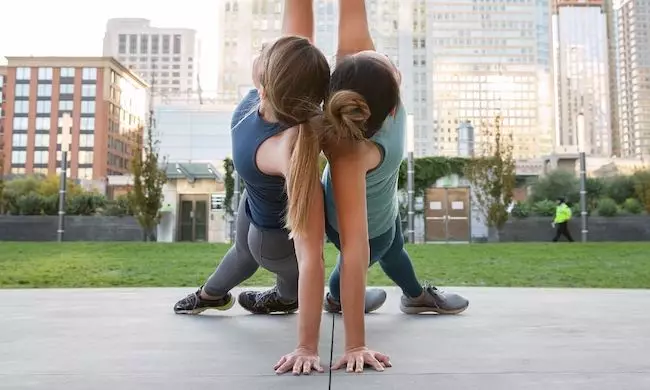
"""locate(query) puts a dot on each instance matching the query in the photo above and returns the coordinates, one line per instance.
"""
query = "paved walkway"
(509, 339)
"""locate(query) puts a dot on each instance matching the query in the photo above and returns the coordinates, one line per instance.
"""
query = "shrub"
(30, 204)
(117, 208)
(554, 185)
(544, 208)
(633, 206)
(619, 188)
(521, 210)
(607, 207)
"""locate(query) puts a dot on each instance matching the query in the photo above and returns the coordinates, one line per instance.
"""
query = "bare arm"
(311, 268)
(348, 172)
(354, 33)
(298, 18)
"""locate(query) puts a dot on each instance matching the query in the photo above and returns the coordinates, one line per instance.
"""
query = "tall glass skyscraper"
(582, 77)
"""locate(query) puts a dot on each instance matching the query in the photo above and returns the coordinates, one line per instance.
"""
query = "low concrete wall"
(627, 228)
(77, 228)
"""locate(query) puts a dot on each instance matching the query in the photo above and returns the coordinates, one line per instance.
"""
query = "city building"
(164, 57)
(107, 104)
(3, 79)
(581, 62)
(192, 130)
(632, 64)
(244, 27)
(485, 60)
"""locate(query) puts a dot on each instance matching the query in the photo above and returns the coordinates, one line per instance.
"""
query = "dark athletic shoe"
(194, 304)
(375, 298)
(434, 300)
(266, 302)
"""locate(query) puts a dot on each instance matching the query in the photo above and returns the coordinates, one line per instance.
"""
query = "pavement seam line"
(329, 385)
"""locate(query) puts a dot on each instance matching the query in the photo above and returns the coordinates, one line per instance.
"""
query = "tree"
(492, 174)
(642, 187)
(2, 170)
(148, 179)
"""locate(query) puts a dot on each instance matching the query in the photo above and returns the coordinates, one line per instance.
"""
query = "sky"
(76, 27)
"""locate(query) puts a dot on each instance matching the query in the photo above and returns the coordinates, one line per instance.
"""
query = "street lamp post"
(410, 146)
(66, 125)
(583, 176)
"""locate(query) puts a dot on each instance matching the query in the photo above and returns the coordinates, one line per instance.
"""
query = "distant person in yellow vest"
(561, 222)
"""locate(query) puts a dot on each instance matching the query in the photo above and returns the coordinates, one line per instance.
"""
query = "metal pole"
(410, 192)
(62, 190)
(583, 195)
(235, 206)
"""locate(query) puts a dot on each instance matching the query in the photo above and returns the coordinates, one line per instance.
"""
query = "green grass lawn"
(615, 265)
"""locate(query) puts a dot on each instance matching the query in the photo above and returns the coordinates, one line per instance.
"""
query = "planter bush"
(607, 207)
(633, 206)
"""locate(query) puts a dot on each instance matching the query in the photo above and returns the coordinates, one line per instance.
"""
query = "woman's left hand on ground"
(300, 361)
(355, 359)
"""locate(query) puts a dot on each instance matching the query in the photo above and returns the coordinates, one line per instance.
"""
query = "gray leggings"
(254, 247)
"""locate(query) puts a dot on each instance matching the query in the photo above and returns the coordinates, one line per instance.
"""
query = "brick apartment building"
(107, 103)
(3, 72)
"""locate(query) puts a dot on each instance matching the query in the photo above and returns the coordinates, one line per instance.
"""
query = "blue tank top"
(381, 182)
(267, 198)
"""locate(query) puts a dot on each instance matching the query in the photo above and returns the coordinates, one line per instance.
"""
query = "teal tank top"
(381, 182)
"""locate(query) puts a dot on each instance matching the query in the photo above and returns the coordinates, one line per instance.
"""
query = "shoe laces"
(192, 300)
(266, 297)
(430, 288)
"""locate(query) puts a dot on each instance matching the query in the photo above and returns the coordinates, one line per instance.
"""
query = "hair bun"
(348, 112)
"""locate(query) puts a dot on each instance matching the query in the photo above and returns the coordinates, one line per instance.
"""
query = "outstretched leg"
(236, 266)
(416, 299)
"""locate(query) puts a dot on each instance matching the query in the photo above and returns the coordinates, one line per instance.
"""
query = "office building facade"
(632, 62)
(581, 61)
(106, 102)
(164, 57)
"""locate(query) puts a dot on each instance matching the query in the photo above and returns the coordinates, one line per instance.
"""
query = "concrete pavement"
(508, 339)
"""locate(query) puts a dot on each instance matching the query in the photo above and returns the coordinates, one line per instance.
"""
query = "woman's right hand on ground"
(355, 359)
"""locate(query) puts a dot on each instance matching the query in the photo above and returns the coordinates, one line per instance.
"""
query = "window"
(21, 106)
(65, 105)
(45, 73)
(89, 74)
(87, 107)
(22, 90)
(87, 124)
(89, 90)
(43, 124)
(133, 44)
(43, 107)
(155, 42)
(23, 73)
(18, 157)
(20, 123)
(19, 140)
(85, 157)
(41, 157)
(86, 140)
(66, 89)
(121, 44)
(85, 173)
(44, 90)
(42, 141)
(177, 44)
(144, 44)
(67, 72)
(165, 44)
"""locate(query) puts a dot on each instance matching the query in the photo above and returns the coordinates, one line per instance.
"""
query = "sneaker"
(266, 302)
(194, 304)
(434, 300)
(375, 298)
